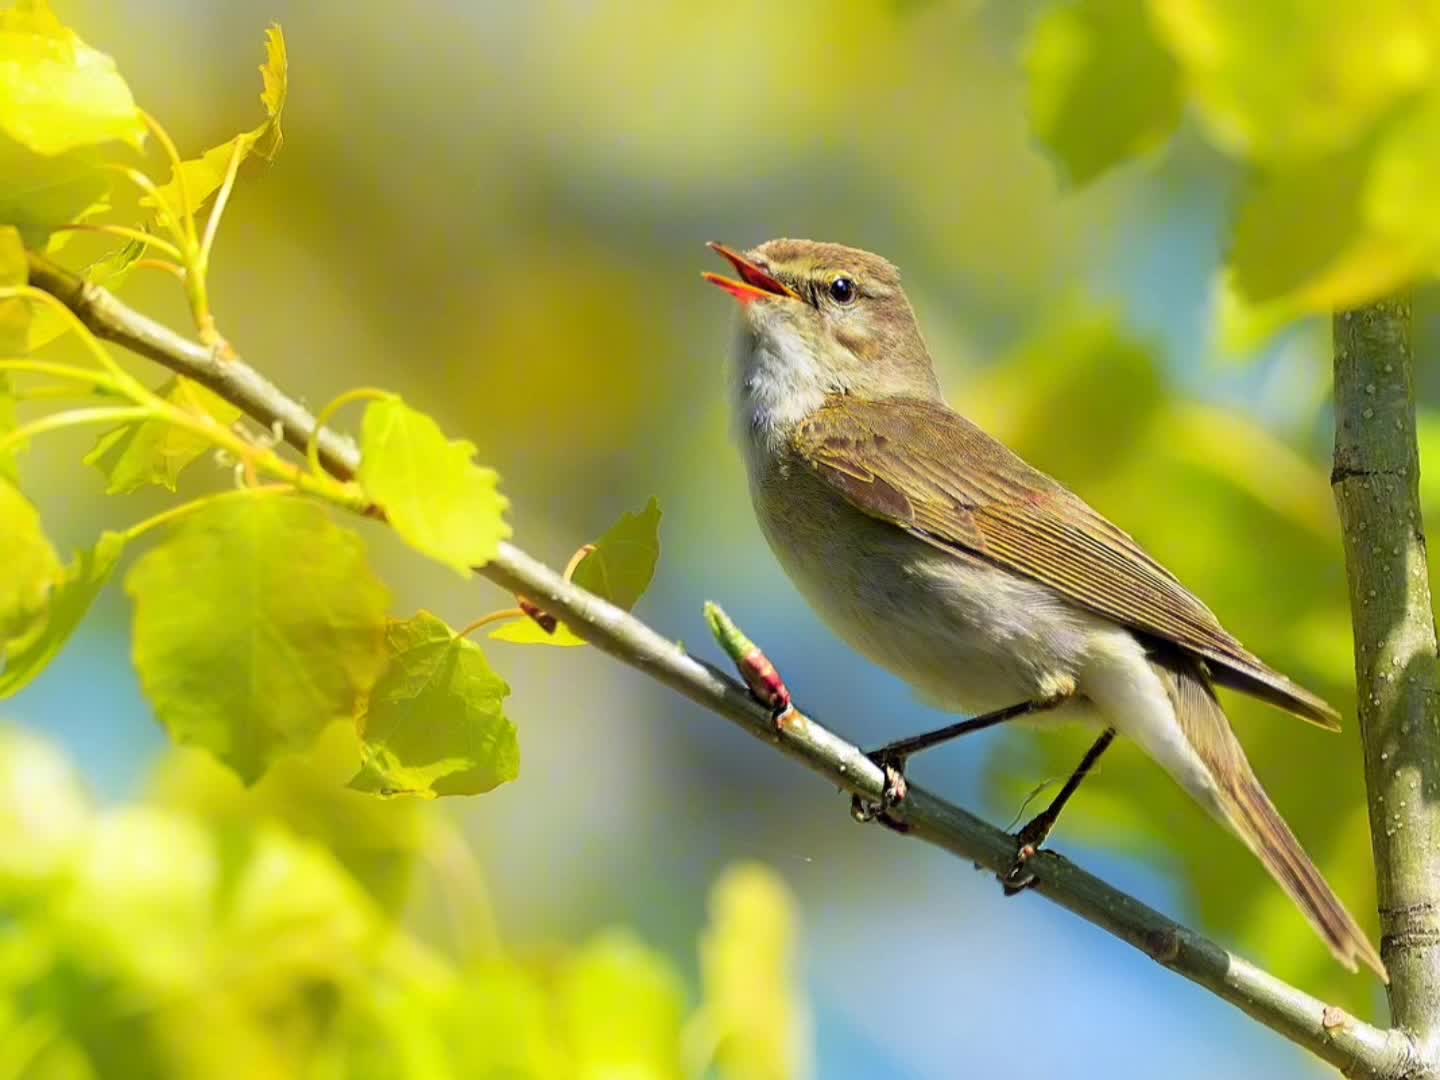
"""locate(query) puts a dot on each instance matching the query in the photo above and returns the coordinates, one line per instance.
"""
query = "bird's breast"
(968, 636)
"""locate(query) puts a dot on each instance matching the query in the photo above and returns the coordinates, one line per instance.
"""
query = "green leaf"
(1292, 79)
(1103, 88)
(44, 809)
(619, 569)
(1303, 240)
(155, 451)
(432, 492)
(752, 1021)
(37, 194)
(57, 93)
(70, 601)
(621, 1007)
(14, 330)
(257, 624)
(29, 566)
(204, 175)
(434, 724)
(1399, 198)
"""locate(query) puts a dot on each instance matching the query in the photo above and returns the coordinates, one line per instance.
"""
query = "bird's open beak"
(756, 283)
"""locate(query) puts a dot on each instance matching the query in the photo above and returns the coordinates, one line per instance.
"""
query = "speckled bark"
(1376, 484)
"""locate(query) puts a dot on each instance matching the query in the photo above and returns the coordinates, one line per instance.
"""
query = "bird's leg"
(1038, 828)
(893, 756)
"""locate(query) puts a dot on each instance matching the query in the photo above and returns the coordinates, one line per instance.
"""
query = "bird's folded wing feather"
(930, 471)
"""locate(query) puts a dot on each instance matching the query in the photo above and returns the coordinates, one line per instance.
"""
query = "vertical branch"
(1376, 485)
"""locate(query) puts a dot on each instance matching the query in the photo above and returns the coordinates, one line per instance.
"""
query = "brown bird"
(994, 591)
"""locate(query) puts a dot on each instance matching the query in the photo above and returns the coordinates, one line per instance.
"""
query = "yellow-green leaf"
(1400, 195)
(752, 1021)
(1102, 86)
(430, 488)
(29, 566)
(434, 723)
(154, 451)
(257, 623)
(68, 604)
(619, 569)
(203, 175)
(37, 193)
(14, 331)
(1287, 79)
(1303, 238)
(621, 1006)
(56, 92)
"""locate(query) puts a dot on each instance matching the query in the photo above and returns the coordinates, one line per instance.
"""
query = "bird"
(936, 552)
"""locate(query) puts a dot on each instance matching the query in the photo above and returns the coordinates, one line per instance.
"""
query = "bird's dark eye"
(842, 290)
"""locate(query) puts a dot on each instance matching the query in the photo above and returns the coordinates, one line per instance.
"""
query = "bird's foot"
(892, 795)
(1028, 841)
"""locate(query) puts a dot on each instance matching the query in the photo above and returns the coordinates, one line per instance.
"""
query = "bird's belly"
(968, 636)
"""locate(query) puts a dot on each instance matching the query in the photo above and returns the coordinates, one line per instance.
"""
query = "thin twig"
(1359, 1049)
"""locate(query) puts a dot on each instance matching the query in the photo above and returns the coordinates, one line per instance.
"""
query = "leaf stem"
(140, 236)
(504, 615)
(222, 197)
(185, 509)
(178, 172)
(360, 393)
(73, 418)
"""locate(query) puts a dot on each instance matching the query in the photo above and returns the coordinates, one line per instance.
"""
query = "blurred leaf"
(44, 809)
(752, 1021)
(501, 1027)
(57, 93)
(1292, 79)
(1103, 88)
(434, 723)
(14, 330)
(1302, 240)
(619, 569)
(1399, 199)
(432, 492)
(621, 1006)
(68, 604)
(1081, 363)
(256, 624)
(37, 194)
(204, 175)
(29, 566)
(378, 842)
(154, 451)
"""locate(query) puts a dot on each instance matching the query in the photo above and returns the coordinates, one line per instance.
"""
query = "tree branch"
(1376, 485)
(1357, 1048)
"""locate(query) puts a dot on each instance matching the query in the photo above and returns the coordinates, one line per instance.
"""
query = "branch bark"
(1357, 1048)
(1376, 485)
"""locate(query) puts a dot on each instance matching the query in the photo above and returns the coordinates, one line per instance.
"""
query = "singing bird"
(994, 591)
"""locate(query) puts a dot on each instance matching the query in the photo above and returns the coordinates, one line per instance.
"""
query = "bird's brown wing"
(930, 471)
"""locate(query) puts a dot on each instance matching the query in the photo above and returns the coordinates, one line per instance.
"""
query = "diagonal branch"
(1357, 1048)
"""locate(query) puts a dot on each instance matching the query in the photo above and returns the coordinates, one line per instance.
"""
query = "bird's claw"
(1019, 876)
(866, 810)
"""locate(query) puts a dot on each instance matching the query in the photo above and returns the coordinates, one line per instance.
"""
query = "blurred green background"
(499, 210)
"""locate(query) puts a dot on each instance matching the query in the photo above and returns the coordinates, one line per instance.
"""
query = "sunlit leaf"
(38, 194)
(752, 1022)
(29, 566)
(256, 624)
(68, 604)
(434, 723)
(619, 569)
(1400, 196)
(501, 1025)
(1102, 87)
(44, 809)
(1303, 239)
(14, 331)
(1288, 79)
(57, 93)
(430, 488)
(154, 451)
(621, 1006)
(203, 176)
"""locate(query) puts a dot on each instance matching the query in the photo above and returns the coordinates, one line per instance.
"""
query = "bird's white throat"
(777, 381)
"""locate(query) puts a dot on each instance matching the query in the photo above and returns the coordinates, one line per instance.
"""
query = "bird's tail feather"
(1243, 804)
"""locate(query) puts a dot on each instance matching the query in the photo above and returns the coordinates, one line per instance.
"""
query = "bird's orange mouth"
(758, 284)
